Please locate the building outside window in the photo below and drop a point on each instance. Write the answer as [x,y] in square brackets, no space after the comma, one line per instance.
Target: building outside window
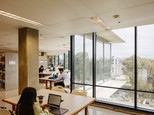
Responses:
[124,69]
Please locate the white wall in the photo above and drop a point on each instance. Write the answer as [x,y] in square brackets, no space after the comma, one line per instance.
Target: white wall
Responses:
[11,71]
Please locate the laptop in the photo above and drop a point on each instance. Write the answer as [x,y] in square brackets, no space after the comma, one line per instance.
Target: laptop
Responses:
[54,102]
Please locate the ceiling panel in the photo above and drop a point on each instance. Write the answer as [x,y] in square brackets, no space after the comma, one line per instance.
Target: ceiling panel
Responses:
[78,26]
[104,6]
[46,12]
[62,18]
[129,17]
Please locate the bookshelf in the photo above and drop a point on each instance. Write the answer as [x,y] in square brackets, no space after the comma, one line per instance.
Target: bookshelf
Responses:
[2,71]
[8,71]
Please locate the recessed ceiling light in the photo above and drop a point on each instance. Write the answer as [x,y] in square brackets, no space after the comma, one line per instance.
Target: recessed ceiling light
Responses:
[100,22]
[13,16]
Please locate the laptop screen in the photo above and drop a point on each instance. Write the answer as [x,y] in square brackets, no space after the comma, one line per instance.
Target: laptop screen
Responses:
[54,100]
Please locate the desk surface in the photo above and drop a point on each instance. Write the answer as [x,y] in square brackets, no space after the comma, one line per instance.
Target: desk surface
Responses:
[74,103]
[46,78]
[45,73]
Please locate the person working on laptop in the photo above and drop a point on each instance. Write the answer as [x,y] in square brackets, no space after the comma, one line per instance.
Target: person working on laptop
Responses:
[27,104]
[60,80]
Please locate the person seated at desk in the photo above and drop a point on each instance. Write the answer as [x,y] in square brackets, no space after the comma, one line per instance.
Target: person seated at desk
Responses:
[60,80]
[27,104]
[41,71]
[54,76]
[52,67]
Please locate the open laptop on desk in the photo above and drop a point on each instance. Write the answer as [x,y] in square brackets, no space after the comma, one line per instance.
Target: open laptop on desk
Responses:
[54,102]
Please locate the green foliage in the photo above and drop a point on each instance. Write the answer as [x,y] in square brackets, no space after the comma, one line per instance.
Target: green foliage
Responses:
[142,63]
[79,66]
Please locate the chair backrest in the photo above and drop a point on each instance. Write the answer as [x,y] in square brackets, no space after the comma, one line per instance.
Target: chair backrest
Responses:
[79,92]
[58,88]
[4,112]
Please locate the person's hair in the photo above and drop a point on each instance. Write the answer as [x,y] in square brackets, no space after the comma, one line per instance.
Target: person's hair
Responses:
[26,101]
[61,69]
[41,65]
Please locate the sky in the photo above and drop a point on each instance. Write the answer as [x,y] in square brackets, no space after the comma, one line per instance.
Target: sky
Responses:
[145,42]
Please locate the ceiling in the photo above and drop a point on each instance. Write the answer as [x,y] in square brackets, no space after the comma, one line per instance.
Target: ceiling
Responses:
[62,18]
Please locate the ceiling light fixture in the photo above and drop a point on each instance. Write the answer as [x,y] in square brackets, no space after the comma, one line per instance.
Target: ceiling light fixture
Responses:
[13,16]
[100,22]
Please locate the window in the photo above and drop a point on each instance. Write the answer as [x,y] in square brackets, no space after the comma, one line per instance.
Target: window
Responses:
[145,66]
[124,69]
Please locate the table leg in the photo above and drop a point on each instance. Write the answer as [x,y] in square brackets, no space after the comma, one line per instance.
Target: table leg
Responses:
[86,110]
[50,85]
[46,84]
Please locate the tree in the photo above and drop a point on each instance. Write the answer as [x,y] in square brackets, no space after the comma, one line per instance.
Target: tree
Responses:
[79,67]
[142,63]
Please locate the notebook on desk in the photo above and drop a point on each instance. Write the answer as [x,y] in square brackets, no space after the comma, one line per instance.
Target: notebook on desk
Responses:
[54,102]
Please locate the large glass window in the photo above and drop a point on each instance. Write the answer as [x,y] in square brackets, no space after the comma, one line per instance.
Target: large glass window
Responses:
[145,100]
[145,66]
[113,95]
[78,59]
[83,59]
[56,60]
[107,62]
[83,63]
[61,59]
[115,68]
[124,67]
[66,60]
[123,59]
[103,62]
[88,59]
[99,62]
[86,88]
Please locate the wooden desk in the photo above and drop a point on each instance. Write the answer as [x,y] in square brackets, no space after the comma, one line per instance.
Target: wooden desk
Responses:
[74,103]
[43,74]
[47,80]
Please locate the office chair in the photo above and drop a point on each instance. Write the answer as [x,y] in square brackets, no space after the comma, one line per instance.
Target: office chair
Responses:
[80,92]
[58,88]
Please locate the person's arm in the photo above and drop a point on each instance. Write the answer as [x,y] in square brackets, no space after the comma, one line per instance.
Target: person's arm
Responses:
[38,110]
[60,77]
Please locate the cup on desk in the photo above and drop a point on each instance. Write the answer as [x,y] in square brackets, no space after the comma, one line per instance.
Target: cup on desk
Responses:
[40,99]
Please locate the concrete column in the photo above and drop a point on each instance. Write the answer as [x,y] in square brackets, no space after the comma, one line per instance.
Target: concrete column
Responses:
[28,46]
